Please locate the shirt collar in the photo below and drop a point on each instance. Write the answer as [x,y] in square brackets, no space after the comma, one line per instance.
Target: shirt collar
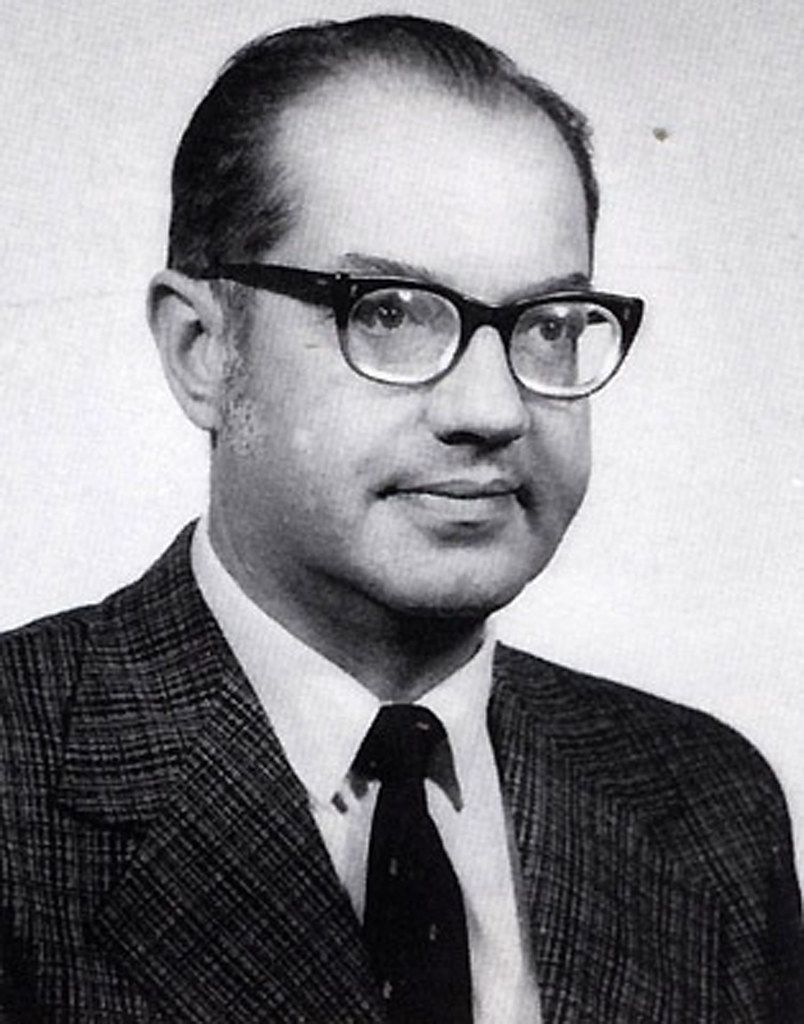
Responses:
[319,712]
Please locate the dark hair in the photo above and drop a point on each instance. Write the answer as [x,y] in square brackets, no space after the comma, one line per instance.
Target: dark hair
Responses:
[230,197]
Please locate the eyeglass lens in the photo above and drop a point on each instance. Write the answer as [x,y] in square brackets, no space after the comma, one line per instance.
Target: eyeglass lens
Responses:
[409,336]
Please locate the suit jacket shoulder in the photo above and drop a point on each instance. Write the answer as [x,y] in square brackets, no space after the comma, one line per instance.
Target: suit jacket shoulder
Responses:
[634,777]
[648,749]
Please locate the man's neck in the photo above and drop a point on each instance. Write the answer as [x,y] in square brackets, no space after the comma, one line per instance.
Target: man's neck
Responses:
[396,656]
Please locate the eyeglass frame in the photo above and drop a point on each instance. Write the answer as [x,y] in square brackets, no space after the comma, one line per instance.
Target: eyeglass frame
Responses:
[342,290]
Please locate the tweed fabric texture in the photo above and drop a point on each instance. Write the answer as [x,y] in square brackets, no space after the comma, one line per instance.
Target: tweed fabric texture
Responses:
[159,864]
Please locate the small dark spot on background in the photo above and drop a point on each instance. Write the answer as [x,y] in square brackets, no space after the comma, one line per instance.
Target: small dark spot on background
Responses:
[661,134]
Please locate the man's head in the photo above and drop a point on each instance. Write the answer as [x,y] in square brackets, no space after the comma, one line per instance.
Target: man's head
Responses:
[396,148]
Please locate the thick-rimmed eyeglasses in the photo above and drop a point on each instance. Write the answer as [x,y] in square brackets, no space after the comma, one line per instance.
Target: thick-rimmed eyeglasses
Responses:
[564,345]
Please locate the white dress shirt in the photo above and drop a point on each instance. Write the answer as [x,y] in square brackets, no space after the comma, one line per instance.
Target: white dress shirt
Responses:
[320,715]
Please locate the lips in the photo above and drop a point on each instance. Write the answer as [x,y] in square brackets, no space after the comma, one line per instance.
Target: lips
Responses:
[463,489]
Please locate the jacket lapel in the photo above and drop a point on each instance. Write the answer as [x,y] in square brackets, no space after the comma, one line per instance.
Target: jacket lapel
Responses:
[228,908]
[618,931]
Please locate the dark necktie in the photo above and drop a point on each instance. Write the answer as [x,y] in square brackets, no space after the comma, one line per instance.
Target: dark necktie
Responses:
[414,923]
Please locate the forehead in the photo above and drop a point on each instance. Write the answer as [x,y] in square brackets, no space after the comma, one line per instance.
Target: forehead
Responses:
[388,164]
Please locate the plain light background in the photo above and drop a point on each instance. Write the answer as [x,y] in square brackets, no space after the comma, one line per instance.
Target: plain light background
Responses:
[684,572]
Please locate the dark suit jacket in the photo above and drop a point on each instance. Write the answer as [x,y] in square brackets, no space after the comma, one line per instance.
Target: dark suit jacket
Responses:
[158,862]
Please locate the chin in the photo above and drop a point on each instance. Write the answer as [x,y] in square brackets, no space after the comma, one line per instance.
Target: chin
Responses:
[467,593]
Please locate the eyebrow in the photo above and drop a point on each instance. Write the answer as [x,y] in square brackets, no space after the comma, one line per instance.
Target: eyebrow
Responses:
[365,263]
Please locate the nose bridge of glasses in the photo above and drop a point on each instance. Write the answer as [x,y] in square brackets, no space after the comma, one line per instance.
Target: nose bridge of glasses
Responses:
[477,315]
[502,320]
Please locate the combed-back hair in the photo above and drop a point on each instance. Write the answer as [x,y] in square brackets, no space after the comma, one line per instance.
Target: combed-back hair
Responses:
[231,196]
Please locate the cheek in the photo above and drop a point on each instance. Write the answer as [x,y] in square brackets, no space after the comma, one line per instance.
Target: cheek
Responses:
[322,449]
[565,445]
[577,461]
[314,462]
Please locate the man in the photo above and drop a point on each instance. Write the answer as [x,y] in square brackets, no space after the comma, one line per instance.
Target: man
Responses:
[286,776]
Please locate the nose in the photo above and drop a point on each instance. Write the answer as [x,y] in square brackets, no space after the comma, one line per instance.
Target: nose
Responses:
[479,401]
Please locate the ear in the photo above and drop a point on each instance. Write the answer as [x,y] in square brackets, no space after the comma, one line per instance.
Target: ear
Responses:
[187,323]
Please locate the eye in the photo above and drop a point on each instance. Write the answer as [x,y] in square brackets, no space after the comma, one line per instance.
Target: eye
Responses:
[552,328]
[387,311]
[389,315]
[558,324]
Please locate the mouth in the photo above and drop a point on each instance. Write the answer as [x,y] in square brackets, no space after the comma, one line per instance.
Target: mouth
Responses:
[461,502]
[460,489]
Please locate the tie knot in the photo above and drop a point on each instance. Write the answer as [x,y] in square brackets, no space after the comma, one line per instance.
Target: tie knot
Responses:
[400,743]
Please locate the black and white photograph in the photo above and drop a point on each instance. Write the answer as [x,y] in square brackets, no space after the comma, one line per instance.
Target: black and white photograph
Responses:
[401,512]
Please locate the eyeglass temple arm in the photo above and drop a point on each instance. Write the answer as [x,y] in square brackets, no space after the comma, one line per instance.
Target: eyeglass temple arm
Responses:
[295,282]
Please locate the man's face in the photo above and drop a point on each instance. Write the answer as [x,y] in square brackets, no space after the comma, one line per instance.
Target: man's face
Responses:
[446,498]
